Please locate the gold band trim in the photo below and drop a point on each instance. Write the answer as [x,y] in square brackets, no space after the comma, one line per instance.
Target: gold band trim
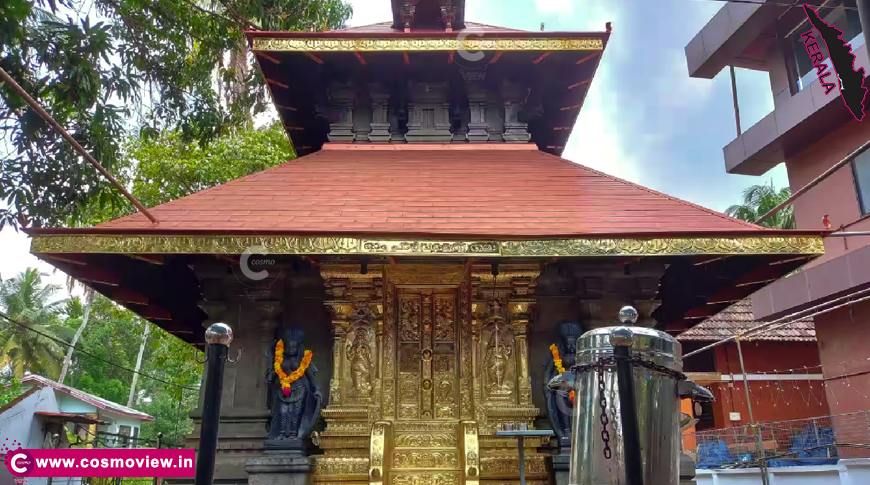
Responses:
[473,44]
[122,244]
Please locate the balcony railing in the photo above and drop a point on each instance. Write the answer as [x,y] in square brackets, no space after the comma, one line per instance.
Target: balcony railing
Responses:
[801,442]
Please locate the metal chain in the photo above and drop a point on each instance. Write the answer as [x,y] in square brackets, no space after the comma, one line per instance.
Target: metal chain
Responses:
[599,367]
[602,401]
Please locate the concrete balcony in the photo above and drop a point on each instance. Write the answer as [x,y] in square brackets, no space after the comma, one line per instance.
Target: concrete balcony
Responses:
[732,36]
[795,123]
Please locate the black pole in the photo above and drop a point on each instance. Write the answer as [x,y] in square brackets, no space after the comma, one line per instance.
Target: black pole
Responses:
[628,407]
[218,337]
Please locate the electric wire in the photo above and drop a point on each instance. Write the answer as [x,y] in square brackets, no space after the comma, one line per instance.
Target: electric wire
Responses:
[79,349]
[781,4]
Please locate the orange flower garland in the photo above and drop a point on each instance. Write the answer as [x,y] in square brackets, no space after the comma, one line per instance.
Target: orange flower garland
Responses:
[294,376]
[557,359]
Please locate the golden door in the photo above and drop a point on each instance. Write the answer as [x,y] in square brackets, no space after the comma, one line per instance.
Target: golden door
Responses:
[427,354]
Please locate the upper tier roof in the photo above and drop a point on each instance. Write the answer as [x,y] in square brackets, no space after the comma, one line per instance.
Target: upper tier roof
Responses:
[427,190]
[557,69]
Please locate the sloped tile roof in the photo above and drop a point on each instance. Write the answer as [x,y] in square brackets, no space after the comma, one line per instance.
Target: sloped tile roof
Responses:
[435,190]
[99,402]
[738,317]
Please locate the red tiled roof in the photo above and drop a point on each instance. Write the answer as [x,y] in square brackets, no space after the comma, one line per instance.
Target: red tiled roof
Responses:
[738,318]
[434,190]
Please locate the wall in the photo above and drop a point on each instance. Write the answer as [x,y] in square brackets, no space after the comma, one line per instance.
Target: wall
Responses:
[768,402]
[836,196]
[846,472]
[778,71]
[69,404]
[843,337]
[18,423]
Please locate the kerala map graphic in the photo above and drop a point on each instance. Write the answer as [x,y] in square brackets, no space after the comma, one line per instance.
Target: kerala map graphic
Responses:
[851,80]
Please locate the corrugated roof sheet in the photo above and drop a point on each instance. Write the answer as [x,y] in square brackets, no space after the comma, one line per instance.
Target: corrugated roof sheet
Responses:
[738,317]
[431,190]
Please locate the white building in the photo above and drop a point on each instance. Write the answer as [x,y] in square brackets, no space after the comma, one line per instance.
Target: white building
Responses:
[47,411]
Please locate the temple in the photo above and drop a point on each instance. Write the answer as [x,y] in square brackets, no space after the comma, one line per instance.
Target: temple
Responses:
[429,242]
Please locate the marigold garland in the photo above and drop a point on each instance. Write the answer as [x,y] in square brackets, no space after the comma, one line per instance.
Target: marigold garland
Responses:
[557,359]
[294,376]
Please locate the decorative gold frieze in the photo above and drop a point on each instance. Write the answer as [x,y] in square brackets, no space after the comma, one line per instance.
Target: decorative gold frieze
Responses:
[665,246]
[425,426]
[429,247]
[235,245]
[419,439]
[334,465]
[416,478]
[425,459]
[499,465]
[472,44]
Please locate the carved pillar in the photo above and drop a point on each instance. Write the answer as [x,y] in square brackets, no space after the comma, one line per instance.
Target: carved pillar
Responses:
[494,118]
[514,131]
[460,120]
[339,331]
[380,131]
[520,310]
[477,127]
[355,306]
[342,101]
[512,286]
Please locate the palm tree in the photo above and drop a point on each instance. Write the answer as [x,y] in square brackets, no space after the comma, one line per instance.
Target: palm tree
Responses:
[26,300]
[761,199]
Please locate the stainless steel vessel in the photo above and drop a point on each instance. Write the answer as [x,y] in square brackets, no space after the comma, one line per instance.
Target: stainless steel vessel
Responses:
[657,398]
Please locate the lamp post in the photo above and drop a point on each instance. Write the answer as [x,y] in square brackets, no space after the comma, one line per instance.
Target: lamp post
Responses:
[621,339]
[218,337]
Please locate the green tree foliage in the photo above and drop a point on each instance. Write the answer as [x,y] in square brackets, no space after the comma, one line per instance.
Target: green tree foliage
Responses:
[9,390]
[761,199]
[26,300]
[106,68]
[114,334]
[167,167]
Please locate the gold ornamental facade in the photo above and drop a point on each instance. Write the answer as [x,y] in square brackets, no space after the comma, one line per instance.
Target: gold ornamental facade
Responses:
[429,361]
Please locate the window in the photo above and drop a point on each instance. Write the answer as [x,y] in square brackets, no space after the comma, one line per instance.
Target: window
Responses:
[845,20]
[124,431]
[861,172]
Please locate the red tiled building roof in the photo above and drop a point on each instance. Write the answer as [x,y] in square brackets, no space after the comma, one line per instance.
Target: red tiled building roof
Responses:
[434,190]
[738,318]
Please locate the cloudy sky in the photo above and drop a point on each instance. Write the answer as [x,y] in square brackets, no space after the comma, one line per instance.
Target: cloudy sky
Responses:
[644,119]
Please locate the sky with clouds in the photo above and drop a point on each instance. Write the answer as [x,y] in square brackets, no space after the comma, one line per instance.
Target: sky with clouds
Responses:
[644,119]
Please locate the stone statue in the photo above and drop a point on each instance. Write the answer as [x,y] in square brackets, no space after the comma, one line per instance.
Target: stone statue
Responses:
[359,355]
[496,361]
[293,414]
[559,406]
